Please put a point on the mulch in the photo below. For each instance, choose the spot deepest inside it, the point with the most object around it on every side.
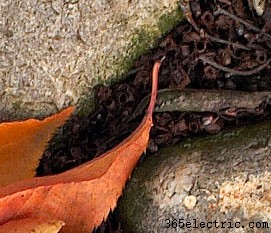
(223, 45)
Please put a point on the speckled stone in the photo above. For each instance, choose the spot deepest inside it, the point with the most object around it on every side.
(52, 53)
(224, 177)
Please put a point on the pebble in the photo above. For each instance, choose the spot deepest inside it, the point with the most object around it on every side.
(190, 202)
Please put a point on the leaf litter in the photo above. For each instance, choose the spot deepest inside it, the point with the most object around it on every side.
(81, 197)
(223, 45)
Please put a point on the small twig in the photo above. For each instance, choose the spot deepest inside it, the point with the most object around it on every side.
(233, 44)
(236, 18)
(229, 3)
(232, 72)
(155, 72)
(185, 6)
(149, 98)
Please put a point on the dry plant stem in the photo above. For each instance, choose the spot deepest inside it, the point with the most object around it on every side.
(236, 18)
(235, 45)
(225, 1)
(232, 72)
(185, 5)
(155, 72)
(139, 109)
(190, 19)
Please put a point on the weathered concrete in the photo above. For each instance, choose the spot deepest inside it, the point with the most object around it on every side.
(52, 53)
(226, 177)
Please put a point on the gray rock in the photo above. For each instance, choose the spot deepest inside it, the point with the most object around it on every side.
(223, 178)
(52, 53)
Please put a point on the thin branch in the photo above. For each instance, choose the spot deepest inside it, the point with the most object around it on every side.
(233, 44)
(155, 72)
(229, 3)
(236, 18)
(185, 6)
(232, 72)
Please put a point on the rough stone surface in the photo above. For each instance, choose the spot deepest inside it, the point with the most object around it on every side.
(226, 177)
(53, 52)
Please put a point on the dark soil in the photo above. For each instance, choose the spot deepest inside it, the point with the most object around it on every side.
(225, 45)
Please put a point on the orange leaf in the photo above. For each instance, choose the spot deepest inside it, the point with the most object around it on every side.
(27, 225)
(81, 197)
(22, 143)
